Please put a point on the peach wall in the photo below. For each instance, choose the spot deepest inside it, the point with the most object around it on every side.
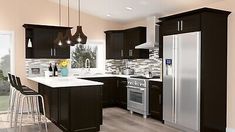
(15, 13)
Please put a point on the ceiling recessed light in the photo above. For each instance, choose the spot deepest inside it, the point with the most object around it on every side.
(129, 8)
(108, 15)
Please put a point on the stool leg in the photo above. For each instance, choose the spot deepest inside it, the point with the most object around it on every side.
(28, 104)
(38, 112)
(13, 101)
(43, 109)
(10, 103)
(21, 113)
(16, 108)
(32, 108)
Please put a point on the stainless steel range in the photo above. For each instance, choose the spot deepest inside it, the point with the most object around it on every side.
(138, 95)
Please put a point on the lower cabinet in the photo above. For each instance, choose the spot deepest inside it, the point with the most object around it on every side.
(114, 91)
(109, 90)
(155, 100)
(122, 92)
(74, 109)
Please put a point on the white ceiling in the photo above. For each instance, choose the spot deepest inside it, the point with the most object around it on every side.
(140, 8)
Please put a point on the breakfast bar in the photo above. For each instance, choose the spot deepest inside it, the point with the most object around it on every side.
(73, 104)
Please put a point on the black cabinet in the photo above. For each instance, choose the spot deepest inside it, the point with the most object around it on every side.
(73, 108)
(109, 90)
(120, 44)
(43, 45)
(188, 23)
(132, 38)
(114, 92)
(155, 100)
(114, 44)
(212, 24)
(122, 92)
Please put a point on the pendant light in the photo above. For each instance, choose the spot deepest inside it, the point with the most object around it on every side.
(68, 35)
(79, 37)
(59, 37)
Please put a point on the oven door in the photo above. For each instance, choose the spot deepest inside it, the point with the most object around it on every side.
(136, 98)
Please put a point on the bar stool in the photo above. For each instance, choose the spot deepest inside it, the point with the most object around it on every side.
(28, 94)
(14, 97)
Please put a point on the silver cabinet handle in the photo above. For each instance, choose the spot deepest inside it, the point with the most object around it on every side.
(121, 53)
(130, 53)
(54, 52)
(178, 25)
(182, 25)
(51, 52)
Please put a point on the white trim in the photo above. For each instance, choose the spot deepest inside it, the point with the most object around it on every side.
(12, 48)
(230, 130)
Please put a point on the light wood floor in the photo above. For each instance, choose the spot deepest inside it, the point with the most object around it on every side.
(114, 120)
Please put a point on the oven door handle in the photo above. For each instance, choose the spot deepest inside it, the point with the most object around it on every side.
(138, 88)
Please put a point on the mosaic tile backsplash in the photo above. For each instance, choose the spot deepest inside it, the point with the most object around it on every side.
(43, 64)
(141, 66)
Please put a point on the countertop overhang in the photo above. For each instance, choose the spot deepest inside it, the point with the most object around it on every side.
(62, 82)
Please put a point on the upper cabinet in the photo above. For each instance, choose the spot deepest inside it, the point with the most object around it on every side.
(183, 24)
(42, 42)
(120, 44)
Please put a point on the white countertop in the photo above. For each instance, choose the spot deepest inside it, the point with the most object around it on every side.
(57, 82)
(114, 75)
(74, 81)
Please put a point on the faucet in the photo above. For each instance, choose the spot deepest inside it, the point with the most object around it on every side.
(88, 64)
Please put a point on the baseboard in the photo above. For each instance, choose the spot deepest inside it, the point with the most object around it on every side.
(230, 130)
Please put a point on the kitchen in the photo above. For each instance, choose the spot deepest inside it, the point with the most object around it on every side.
(144, 62)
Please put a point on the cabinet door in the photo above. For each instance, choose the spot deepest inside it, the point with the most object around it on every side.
(60, 52)
(170, 26)
(64, 108)
(108, 91)
(45, 92)
(114, 45)
(42, 43)
(122, 93)
(155, 100)
(134, 37)
(54, 105)
(190, 23)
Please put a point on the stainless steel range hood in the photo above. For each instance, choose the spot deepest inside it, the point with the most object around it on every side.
(152, 34)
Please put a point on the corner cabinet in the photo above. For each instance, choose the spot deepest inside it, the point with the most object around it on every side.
(120, 44)
(212, 24)
(155, 100)
(43, 46)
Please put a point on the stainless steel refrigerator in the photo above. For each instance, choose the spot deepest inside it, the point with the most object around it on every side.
(181, 80)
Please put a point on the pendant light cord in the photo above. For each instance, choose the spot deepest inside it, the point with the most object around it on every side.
(60, 12)
(68, 13)
(79, 13)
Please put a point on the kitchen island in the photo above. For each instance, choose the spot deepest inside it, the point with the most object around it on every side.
(74, 105)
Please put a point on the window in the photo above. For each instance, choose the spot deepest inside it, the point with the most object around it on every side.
(80, 53)
(6, 48)
(94, 51)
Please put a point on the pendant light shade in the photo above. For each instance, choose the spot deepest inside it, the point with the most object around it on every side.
(68, 37)
(59, 39)
(79, 37)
